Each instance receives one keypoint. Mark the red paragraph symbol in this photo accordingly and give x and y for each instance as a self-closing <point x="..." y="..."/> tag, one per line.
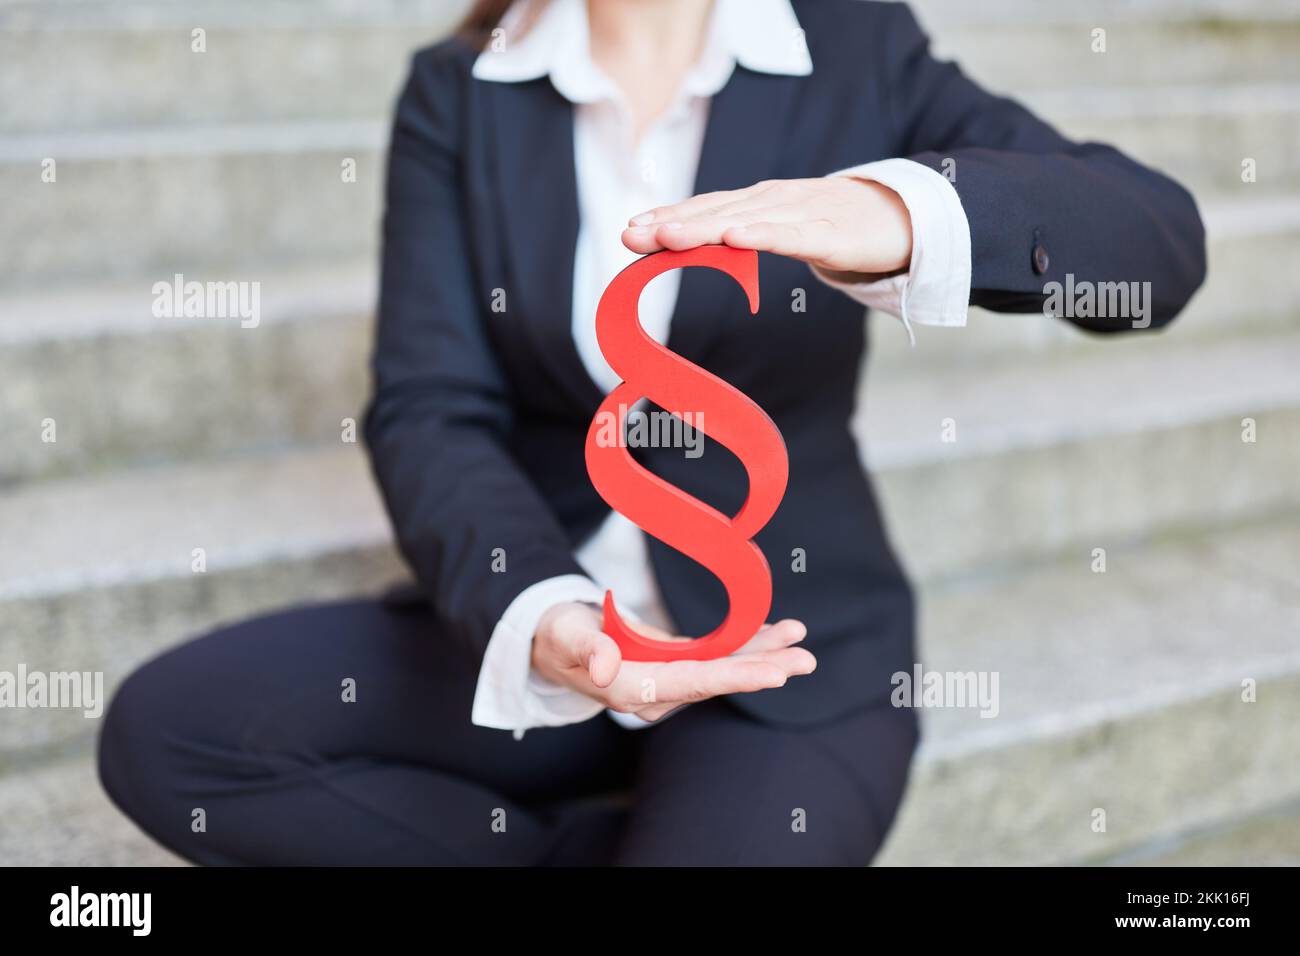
<point x="720" y="543"/>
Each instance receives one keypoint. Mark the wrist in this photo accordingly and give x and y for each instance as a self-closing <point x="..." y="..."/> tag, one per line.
<point x="890" y="223"/>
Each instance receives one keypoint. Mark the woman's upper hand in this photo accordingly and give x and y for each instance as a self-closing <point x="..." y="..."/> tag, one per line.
<point x="854" y="227"/>
<point x="571" y="650"/>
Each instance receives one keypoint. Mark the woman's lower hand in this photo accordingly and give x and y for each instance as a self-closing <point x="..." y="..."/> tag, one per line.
<point x="571" y="650"/>
<point x="851" y="228"/>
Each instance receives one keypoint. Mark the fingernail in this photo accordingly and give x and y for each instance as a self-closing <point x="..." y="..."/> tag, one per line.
<point x="671" y="226"/>
<point x="642" y="219"/>
<point x="638" y="231"/>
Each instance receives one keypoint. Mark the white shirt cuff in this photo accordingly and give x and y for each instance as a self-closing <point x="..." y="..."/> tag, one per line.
<point x="509" y="695"/>
<point x="935" y="290"/>
<point x="629" y="721"/>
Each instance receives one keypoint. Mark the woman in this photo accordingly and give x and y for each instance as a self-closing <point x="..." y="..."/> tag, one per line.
<point x="533" y="156"/>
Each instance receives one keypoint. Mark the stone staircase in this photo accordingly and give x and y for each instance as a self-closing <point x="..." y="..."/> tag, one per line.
<point x="1120" y="690"/>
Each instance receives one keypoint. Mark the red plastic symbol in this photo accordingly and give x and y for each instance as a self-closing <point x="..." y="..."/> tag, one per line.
<point x="720" y="543"/>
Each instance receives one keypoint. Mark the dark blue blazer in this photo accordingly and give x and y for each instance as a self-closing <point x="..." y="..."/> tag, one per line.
<point x="479" y="415"/>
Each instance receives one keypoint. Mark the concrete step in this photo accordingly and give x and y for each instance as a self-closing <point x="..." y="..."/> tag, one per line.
<point x="344" y="59"/>
<point x="106" y="574"/>
<point x="238" y="200"/>
<point x="1198" y="133"/>
<point x="264" y="60"/>
<point x="231" y="202"/>
<point x="1271" y="838"/>
<point x="1049" y="458"/>
<point x="1146" y="42"/>
<point x="124" y="387"/>
<point x="961" y="13"/>
<point x="988" y="464"/>
<point x="1120" y="692"/>
<point x="57" y="815"/>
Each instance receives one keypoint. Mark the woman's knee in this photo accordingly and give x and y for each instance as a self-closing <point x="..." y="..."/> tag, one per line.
<point x="143" y="758"/>
<point x="131" y="752"/>
<point x="128" y="753"/>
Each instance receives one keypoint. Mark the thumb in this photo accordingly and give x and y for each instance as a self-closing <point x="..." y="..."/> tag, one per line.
<point x="602" y="659"/>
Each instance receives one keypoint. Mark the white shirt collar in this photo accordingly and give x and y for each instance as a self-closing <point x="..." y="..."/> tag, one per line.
<point x="761" y="35"/>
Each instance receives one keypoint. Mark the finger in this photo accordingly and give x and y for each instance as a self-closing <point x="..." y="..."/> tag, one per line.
<point x="795" y="661"/>
<point x="697" y="204"/>
<point x="775" y="636"/>
<point x="808" y="241"/>
<point x="648" y="685"/>
<point x="641" y="239"/>
<point x="703" y="231"/>
<point x="711" y="229"/>
<point x="778" y="196"/>
<point x="648" y="239"/>
<point x="684" y="681"/>
<point x="676" y="235"/>
<point x="714" y="229"/>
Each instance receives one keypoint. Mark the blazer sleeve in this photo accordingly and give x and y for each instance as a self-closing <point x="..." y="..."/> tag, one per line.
<point x="1031" y="194"/>
<point x="438" y="424"/>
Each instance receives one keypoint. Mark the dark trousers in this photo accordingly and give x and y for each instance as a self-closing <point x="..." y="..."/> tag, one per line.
<point x="240" y="748"/>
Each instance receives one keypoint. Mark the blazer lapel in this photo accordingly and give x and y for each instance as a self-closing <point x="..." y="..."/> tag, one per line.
<point x="538" y="215"/>
<point x="537" y="184"/>
<point x="746" y="130"/>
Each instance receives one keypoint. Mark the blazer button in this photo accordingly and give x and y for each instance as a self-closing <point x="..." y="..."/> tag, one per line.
<point x="1041" y="260"/>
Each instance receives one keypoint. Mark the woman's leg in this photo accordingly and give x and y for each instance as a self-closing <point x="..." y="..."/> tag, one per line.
<point x="246" y="746"/>
<point x="716" y="787"/>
